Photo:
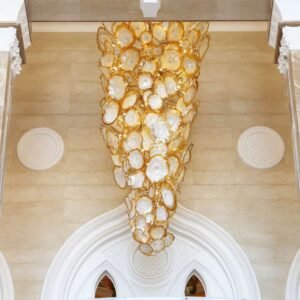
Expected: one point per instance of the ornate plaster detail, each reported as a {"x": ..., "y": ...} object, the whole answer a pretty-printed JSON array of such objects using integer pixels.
[
  {"x": 103, "y": 246},
  {"x": 153, "y": 267},
  {"x": 9, "y": 43},
  {"x": 290, "y": 41},
  {"x": 6, "y": 284},
  {"x": 261, "y": 147},
  {"x": 293, "y": 283},
  {"x": 16, "y": 60},
  {"x": 40, "y": 148}
]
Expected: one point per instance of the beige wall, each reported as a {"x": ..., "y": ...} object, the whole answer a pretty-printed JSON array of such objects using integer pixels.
[
  {"x": 103, "y": 10},
  {"x": 239, "y": 88}
]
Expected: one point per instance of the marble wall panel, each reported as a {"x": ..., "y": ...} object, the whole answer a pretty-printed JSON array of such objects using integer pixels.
[{"x": 59, "y": 89}]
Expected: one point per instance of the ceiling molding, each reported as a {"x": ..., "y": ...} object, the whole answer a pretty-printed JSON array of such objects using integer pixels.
[{"x": 240, "y": 26}]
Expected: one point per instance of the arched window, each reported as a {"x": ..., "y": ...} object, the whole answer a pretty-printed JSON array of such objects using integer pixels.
[
  {"x": 194, "y": 287},
  {"x": 105, "y": 288}
]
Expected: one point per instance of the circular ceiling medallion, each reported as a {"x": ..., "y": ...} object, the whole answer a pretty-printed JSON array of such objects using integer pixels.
[
  {"x": 40, "y": 148},
  {"x": 261, "y": 147},
  {"x": 150, "y": 266}
]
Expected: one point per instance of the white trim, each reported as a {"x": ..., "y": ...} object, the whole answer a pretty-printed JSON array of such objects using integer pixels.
[
  {"x": 6, "y": 284},
  {"x": 292, "y": 291},
  {"x": 242, "y": 26},
  {"x": 105, "y": 245},
  {"x": 290, "y": 41},
  {"x": 9, "y": 43}
]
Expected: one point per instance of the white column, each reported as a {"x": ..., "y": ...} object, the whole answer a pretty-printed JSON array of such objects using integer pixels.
[
  {"x": 10, "y": 66},
  {"x": 13, "y": 20},
  {"x": 286, "y": 18}
]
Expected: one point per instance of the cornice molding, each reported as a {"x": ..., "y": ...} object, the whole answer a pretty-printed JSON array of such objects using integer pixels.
[{"x": 235, "y": 26}]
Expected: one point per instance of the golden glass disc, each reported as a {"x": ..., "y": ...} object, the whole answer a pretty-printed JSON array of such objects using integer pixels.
[
  {"x": 130, "y": 59},
  {"x": 170, "y": 60},
  {"x": 149, "y": 73},
  {"x": 124, "y": 36}
]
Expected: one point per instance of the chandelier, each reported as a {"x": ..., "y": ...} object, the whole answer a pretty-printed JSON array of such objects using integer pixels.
[{"x": 149, "y": 73}]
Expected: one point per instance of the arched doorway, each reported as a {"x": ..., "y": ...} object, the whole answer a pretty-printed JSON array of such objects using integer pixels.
[
  {"x": 105, "y": 288},
  {"x": 104, "y": 246},
  {"x": 194, "y": 287}
]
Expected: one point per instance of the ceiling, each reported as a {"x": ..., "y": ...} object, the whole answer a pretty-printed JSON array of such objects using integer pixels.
[{"x": 101, "y": 10}]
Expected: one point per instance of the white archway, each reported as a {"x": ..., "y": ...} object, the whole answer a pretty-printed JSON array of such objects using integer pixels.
[
  {"x": 105, "y": 245},
  {"x": 293, "y": 283},
  {"x": 6, "y": 284}
]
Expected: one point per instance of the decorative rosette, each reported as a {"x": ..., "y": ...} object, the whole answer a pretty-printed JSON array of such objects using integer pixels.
[{"x": 149, "y": 74}]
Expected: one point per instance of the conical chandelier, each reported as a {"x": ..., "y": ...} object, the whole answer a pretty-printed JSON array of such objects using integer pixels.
[{"x": 149, "y": 73}]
